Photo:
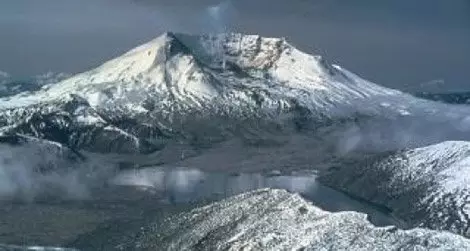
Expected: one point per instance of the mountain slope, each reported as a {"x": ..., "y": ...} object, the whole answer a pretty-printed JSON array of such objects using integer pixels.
[
  {"x": 427, "y": 187},
  {"x": 277, "y": 220}
]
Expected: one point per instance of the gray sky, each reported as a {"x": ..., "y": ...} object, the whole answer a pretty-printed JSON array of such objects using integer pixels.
[{"x": 397, "y": 43}]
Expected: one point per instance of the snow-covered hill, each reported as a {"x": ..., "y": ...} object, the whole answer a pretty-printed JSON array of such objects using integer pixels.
[
  {"x": 277, "y": 220},
  {"x": 427, "y": 187}
]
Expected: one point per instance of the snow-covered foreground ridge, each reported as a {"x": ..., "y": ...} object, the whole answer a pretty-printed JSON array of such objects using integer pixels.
[
  {"x": 277, "y": 220},
  {"x": 426, "y": 187}
]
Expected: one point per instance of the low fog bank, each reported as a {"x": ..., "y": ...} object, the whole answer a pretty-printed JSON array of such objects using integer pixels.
[
  {"x": 194, "y": 182},
  {"x": 183, "y": 185},
  {"x": 33, "y": 172},
  {"x": 396, "y": 122}
]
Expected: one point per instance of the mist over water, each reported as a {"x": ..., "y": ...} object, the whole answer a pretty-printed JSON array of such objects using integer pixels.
[
  {"x": 183, "y": 185},
  {"x": 30, "y": 172}
]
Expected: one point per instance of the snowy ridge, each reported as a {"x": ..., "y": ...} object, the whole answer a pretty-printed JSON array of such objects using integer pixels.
[
  {"x": 448, "y": 163},
  {"x": 447, "y": 166},
  {"x": 428, "y": 186},
  {"x": 277, "y": 220}
]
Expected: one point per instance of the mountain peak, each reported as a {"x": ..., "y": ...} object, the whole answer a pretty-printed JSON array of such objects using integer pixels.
[
  {"x": 212, "y": 50},
  {"x": 245, "y": 51},
  {"x": 191, "y": 71}
]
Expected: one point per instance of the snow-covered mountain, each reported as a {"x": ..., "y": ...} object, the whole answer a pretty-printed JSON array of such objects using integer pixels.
[
  {"x": 427, "y": 187},
  {"x": 277, "y": 220},
  {"x": 192, "y": 71},
  {"x": 188, "y": 90},
  {"x": 197, "y": 88}
]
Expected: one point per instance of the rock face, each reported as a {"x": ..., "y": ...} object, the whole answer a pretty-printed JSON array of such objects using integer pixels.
[
  {"x": 277, "y": 220},
  {"x": 427, "y": 187}
]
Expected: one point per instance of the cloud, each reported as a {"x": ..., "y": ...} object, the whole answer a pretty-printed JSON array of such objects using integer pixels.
[
  {"x": 180, "y": 180},
  {"x": 34, "y": 171},
  {"x": 4, "y": 75},
  {"x": 220, "y": 16},
  {"x": 401, "y": 123}
]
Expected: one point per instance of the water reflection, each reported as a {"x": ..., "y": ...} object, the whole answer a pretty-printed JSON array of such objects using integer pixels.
[{"x": 182, "y": 185}]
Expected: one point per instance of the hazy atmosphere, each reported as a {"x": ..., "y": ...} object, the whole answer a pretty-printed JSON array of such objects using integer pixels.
[{"x": 403, "y": 44}]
